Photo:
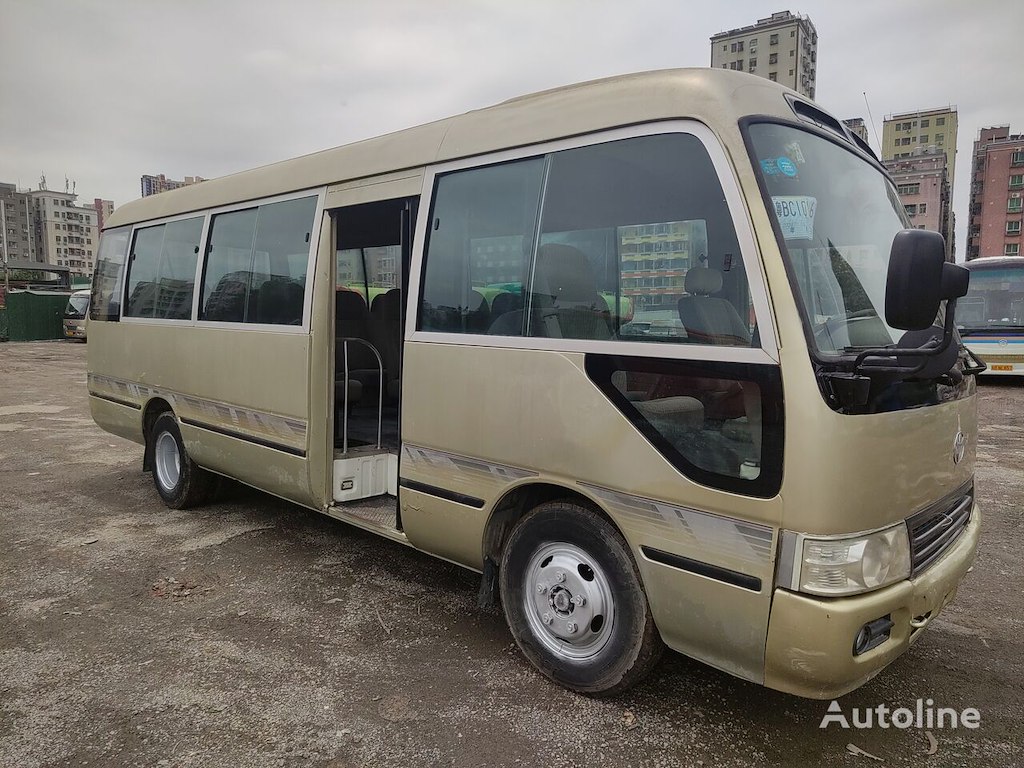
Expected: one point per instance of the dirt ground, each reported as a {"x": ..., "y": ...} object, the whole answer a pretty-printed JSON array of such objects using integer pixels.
[{"x": 254, "y": 633}]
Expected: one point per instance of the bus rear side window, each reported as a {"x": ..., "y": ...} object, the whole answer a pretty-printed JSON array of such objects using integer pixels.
[
  {"x": 106, "y": 283},
  {"x": 162, "y": 270}
]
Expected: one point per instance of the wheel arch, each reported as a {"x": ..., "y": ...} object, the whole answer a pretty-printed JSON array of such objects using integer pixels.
[
  {"x": 517, "y": 501},
  {"x": 151, "y": 412}
]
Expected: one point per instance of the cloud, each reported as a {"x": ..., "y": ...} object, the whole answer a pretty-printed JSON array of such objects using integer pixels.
[{"x": 107, "y": 90}]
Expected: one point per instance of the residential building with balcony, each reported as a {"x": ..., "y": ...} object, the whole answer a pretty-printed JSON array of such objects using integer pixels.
[
  {"x": 17, "y": 218},
  {"x": 922, "y": 183},
  {"x": 858, "y": 127},
  {"x": 997, "y": 194},
  {"x": 103, "y": 210},
  {"x": 782, "y": 47},
  {"x": 152, "y": 185},
  {"x": 903, "y": 133},
  {"x": 66, "y": 234},
  {"x": 915, "y": 136}
]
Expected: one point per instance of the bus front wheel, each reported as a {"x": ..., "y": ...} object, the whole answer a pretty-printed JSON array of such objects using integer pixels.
[
  {"x": 574, "y": 603},
  {"x": 180, "y": 482}
]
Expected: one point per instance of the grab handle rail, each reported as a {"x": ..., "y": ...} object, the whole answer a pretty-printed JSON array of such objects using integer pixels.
[{"x": 380, "y": 389}]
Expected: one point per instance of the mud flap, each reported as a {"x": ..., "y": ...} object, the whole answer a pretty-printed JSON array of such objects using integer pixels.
[{"x": 487, "y": 597}]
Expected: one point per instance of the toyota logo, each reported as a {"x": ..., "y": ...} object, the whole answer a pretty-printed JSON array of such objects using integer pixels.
[{"x": 959, "y": 447}]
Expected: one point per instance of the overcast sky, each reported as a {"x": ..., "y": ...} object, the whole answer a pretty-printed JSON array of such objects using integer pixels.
[{"x": 103, "y": 91}]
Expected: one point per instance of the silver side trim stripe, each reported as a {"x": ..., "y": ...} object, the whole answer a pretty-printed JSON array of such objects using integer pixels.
[
  {"x": 714, "y": 535},
  {"x": 284, "y": 429},
  {"x": 475, "y": 469}
]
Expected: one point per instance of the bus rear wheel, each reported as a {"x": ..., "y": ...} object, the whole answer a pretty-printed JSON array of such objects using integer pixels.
[
  {"x": 574, "y": 603},
  {"x": 180, "y": 482}
]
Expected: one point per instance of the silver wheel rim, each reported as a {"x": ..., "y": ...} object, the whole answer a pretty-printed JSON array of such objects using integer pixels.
[
  {"x": 568, "y": 601},
  {"x": 167, "y": 461}
]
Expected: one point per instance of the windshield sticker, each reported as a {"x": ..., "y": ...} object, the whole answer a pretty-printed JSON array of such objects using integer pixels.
[
  {"x": 796, "y": 215},
  {"x": 794, "y": 151},
  {"x": 786, "y": 166},
  {"x": 768, "y": 166}
]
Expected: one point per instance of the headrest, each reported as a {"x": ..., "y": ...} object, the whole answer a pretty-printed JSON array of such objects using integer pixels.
[
  {"x": 564, "y": 273},
  {"x": 348, "y": 299},
  {"x": 703, "y": 281}
]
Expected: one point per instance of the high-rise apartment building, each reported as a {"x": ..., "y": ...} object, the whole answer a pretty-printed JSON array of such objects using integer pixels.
[
  {"x": 902, "y": 133},
  {"x": 997, "y": 194},
  {"x": 66, "y": 234},
  {"x": 152, "y": 185},
  {"x": 914, "y": 136},
  {"x": 103, "y": 210},
  {"x": 782, "y": 47},
  {"x": 17, "y": 219},
  {"x": 923, "y": 186},
  {"x": 857, "y": 127}
]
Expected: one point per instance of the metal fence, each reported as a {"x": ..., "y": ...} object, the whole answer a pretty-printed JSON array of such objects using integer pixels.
[{"x": 34, "y": 315}]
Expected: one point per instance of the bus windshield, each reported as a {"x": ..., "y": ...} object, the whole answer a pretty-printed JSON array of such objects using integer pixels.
[
  {"x": 837, "y": 216},
  {"x": 995, "y": 300},
  {"x": 78, "y": 305}
]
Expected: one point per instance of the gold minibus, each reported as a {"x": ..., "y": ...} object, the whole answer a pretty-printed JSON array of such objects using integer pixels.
[
  {"x": 74, "y": 315},
  {"x": 659, "y": 356}
]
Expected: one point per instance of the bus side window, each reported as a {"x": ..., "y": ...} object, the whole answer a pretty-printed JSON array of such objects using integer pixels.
[
  {"x": 481, "y": 234},
  {"x": 162, "y": 269},
  {"x": 256, "y": 266},
  {"x": 105, "y": 302},
  {"x": 660, "y": 257}
]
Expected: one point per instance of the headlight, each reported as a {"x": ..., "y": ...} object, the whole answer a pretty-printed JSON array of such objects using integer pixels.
[{"x": 850, "y": 564}]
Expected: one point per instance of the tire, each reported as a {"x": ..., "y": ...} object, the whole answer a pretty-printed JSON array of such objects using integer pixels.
[
  {"x": 180, "y": 482},
  {"x": 561, "y": 552}
]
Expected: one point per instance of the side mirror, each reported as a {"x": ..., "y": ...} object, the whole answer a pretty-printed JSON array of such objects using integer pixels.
[{"x": 919, "y": 279}]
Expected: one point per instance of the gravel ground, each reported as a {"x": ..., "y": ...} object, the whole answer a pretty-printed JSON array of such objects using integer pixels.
[{"x": 253, "y": 632}]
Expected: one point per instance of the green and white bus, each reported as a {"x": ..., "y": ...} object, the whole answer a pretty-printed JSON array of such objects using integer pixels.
[{"x": 657, "y": 355}]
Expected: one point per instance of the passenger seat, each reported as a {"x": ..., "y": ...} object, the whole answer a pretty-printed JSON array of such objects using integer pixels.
[
  {"x": 565, "y": 292},
  {"x": 706, "y": 318},
  {"x": 386, "y": 313}
]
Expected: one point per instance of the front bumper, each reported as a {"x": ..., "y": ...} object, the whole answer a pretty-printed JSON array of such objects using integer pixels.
[{"x": 810, "y": 639}]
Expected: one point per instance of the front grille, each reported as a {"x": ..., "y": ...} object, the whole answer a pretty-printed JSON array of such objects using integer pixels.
[{"x": 935, "y": 528}]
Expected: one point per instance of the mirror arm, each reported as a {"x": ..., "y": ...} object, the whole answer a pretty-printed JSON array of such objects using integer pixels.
[{"x": 925, "y": 351}]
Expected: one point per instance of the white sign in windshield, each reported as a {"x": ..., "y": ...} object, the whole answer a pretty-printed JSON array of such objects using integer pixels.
[{"x": 796, "y": 215}]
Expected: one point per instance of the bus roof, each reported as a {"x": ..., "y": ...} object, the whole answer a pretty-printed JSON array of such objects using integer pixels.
[
  {"x": 713, "y": 96},
  {"x": 995, "y": 262}
]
